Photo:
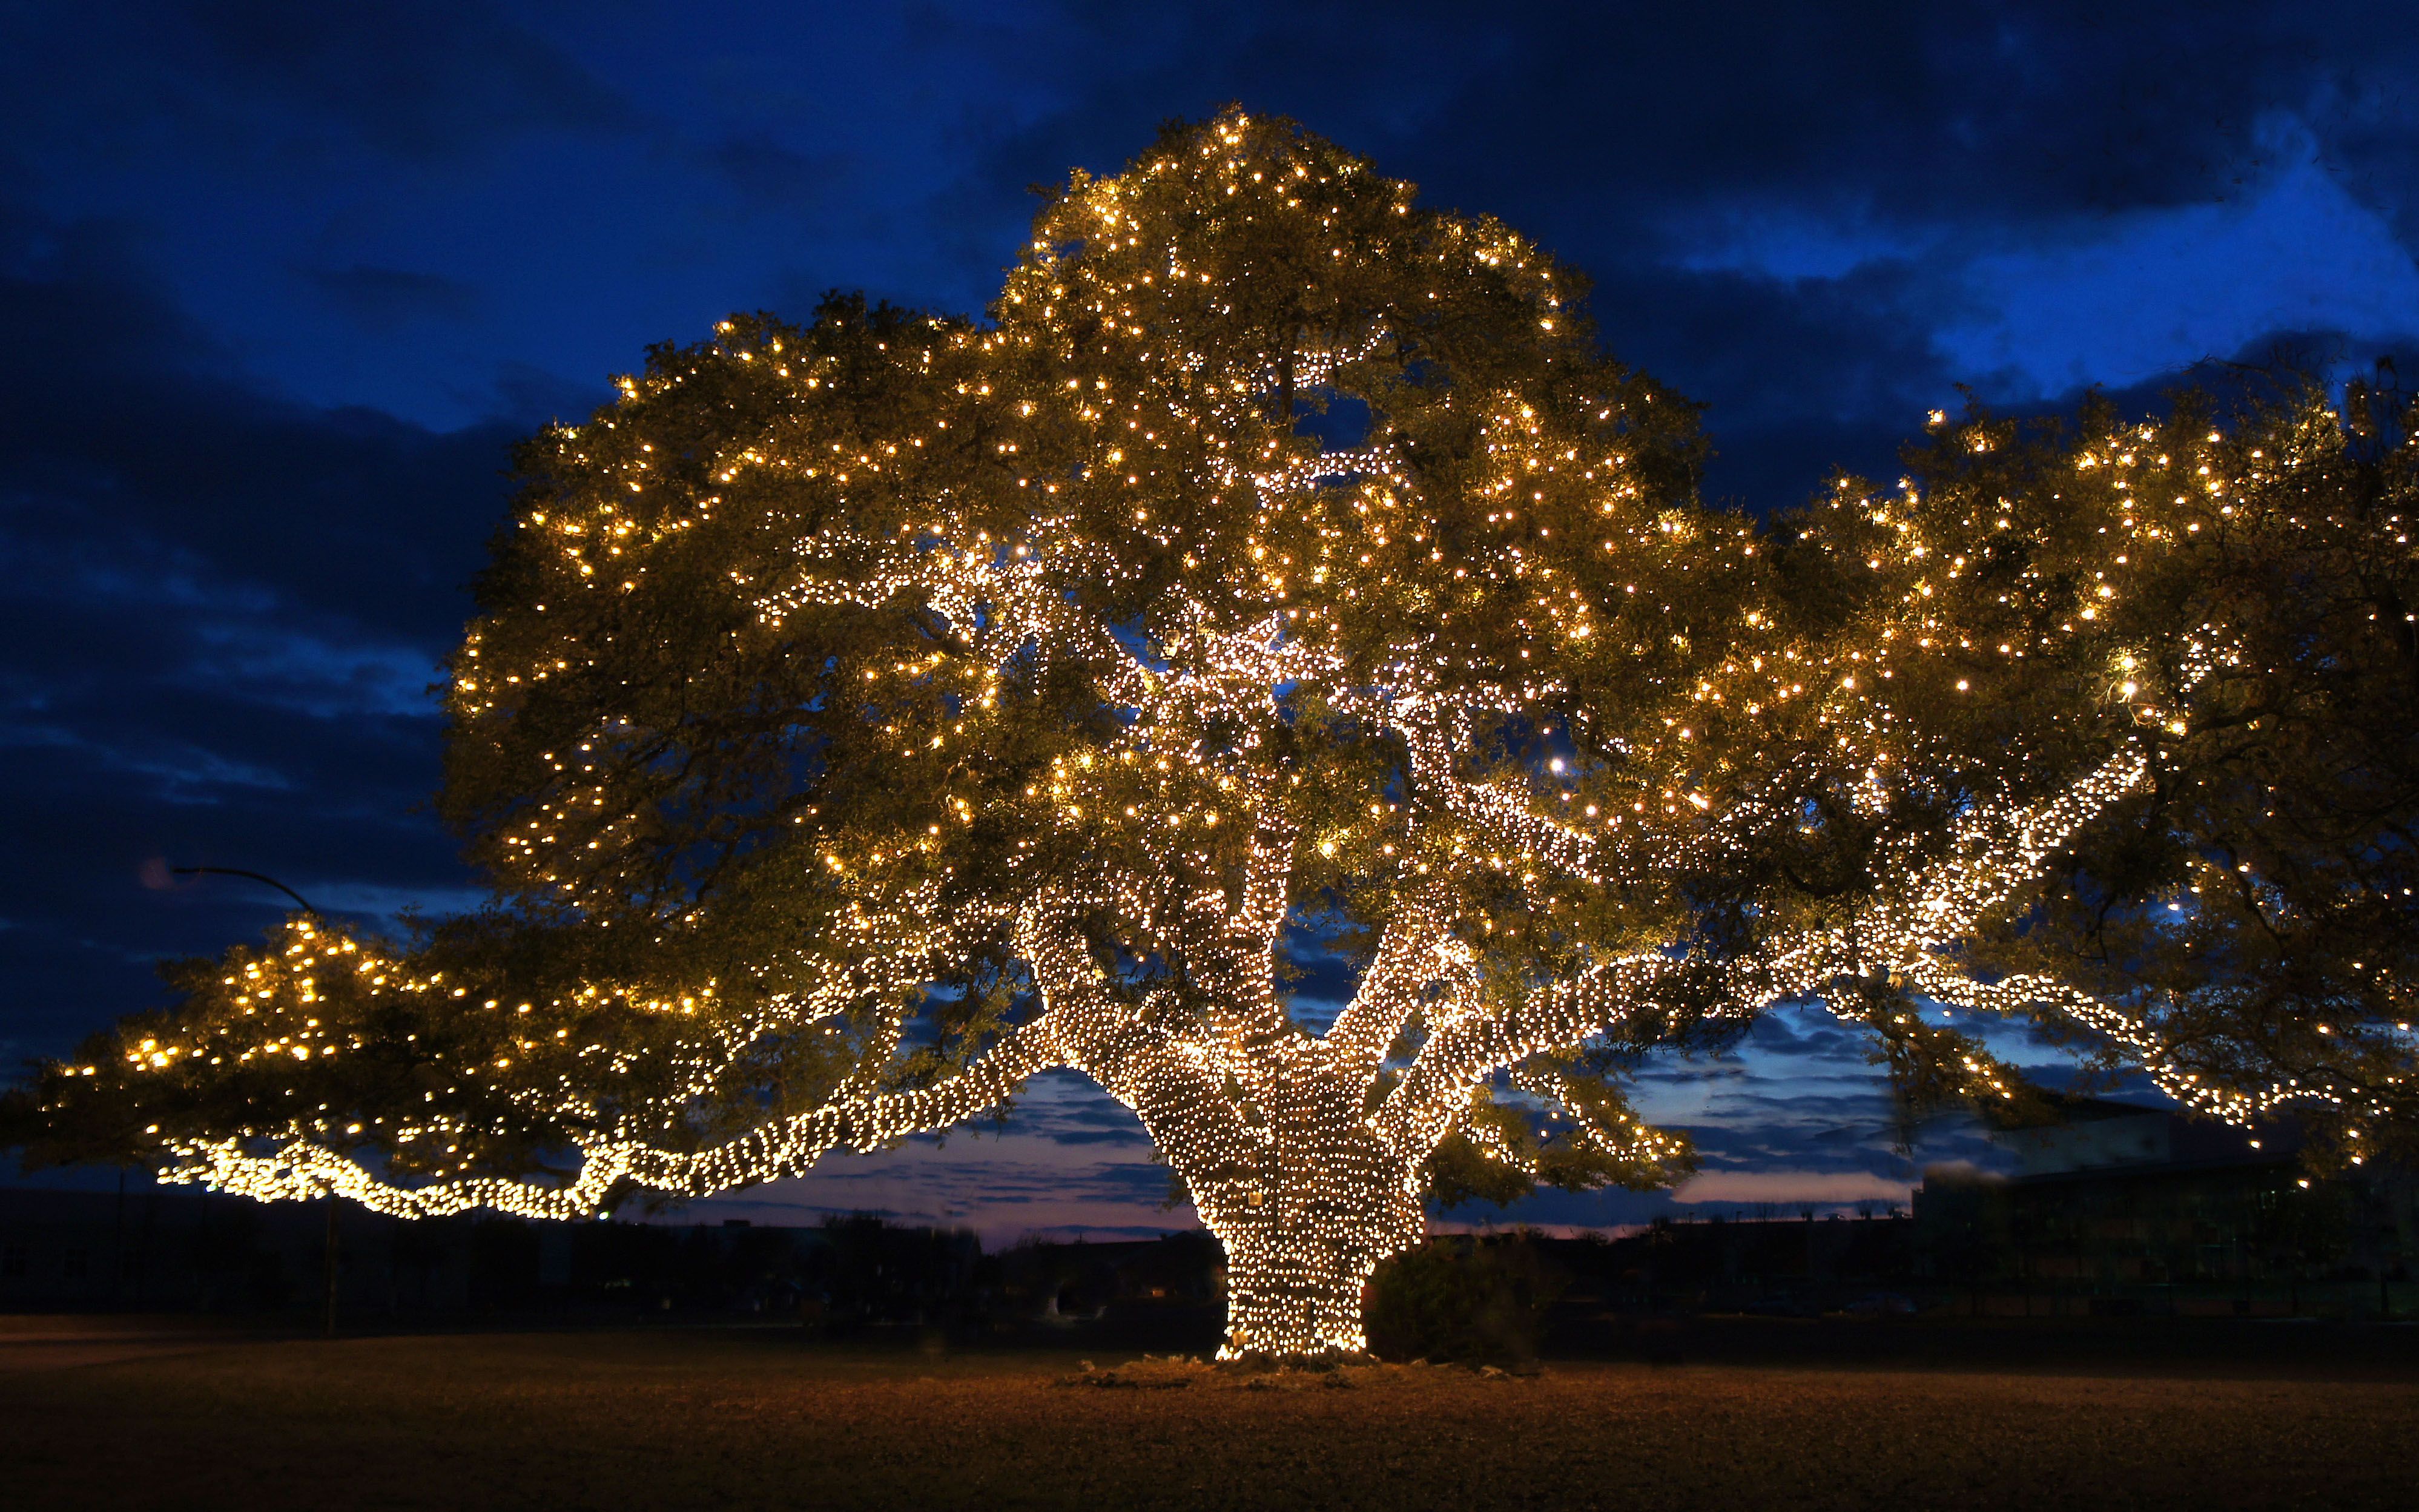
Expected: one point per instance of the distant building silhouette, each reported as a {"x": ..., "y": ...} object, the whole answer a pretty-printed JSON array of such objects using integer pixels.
[
  {"x": 2122, "y": 1209},
  {"x": 163, "y": 1250}
]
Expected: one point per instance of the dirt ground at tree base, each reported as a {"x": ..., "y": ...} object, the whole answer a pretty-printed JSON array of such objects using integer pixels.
[{"x": 742, "y": 1418}]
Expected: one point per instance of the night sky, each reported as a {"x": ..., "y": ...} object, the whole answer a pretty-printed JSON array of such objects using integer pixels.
[{"x": 280, "y": 283}]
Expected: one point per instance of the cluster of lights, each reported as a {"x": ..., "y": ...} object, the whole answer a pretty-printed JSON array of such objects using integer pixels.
[{"x": 1305, "y": 672}]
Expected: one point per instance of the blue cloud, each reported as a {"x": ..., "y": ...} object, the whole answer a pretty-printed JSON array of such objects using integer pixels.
[{"x": 380, "y": 298}]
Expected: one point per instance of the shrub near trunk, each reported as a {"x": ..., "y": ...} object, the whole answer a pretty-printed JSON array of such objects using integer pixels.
[{"x": 1477, "y": 1299}]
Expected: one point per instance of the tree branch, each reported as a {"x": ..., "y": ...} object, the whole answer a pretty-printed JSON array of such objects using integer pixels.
[
  {"x": 1998, "y": 852},
  {"x": 299, "y": 1169},
  {"x": 1175, "y": 1085},
  {"x": 1416, "y": 950}
]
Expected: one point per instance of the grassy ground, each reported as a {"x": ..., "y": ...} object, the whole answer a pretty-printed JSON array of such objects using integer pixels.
[{"x": 761, "y": 1419}]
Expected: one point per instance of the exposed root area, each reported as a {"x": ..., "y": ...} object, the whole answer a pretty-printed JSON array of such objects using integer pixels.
[{"x": 1156, "y": 1372}]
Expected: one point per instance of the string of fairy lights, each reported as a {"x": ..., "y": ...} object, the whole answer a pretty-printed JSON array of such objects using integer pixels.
[{"x": 1188, "y": 827}]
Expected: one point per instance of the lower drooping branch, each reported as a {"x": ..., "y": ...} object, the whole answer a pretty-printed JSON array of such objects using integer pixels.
[
  {"x": 2142, "y": 1041},
  {"x": 298, "y": 1168}
]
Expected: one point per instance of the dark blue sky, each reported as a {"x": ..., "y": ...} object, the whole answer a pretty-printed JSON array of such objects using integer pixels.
[{"x": 280, "y": 283}]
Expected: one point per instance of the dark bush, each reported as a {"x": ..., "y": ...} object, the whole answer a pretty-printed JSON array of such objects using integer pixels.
[{"x": 1475, "y": 1298}]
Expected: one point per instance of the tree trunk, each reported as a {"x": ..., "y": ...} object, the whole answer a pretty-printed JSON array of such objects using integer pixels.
[
  {"x": 1283, "y": 1162},
  {"x": 1291, "y": 1298},
  {"x": 1299, "y": 1258}
]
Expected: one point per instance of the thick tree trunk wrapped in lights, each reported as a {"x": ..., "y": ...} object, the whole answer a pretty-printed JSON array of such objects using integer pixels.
[{"x": 867, "y": 715}]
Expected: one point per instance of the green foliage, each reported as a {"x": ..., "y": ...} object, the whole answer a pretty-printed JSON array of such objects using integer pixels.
[
  {"x": 1934, "y": 1068},
  {"x": 1460, "y": 1171}
]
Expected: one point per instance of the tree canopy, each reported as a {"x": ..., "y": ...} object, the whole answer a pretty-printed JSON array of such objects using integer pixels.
[{"x": 863, "y": 714}]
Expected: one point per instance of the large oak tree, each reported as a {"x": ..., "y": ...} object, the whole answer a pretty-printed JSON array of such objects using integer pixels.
[{"x": 865, "y": 716}]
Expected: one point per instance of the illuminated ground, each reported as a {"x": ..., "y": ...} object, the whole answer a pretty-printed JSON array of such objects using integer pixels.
[{"x": 743, "y": 1418}]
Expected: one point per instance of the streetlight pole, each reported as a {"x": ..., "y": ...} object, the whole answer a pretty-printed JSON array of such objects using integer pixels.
[
  {"x": 328, "y": 1255},
  {"x": 234, "y": 872},
  {"x": 328, "y": 1324}
]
